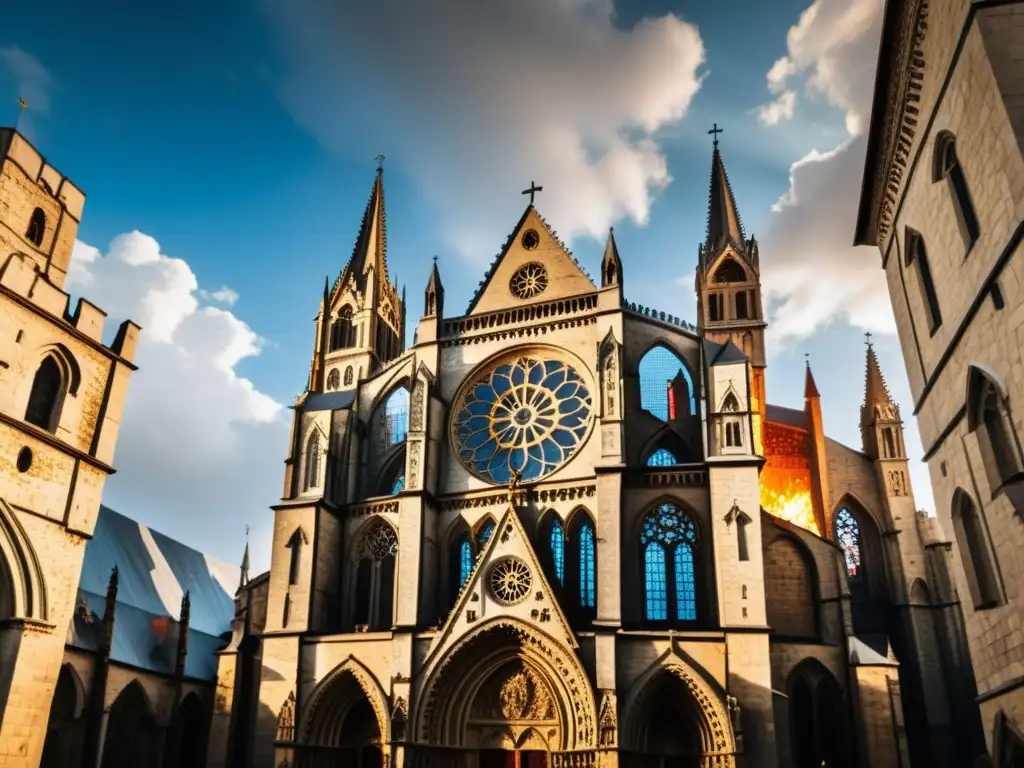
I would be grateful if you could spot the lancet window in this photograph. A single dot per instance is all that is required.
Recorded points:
(668, 540)
(47, 395)
(666, 387)
(375, 577)
(947, 166)
(569, 555)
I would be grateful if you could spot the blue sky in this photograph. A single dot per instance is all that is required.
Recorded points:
(240, 138)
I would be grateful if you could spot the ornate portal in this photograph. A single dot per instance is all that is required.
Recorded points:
(514, 709)
(527, 414)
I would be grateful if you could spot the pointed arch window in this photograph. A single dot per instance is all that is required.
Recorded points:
(849, 539)
(662, 458)
(396, 417)
(668, 540)
(988, 416)
(463, 549)
(342, 331)
(975, 553)
(36, 228)
(730, 272)
(666, 387)
(375, 577)
(568, 554)
(399, 485)
(557, 547)
(45, 399)
(946, 165)
(917, 260)
(484, 532)
(588, 566)
(313, 455)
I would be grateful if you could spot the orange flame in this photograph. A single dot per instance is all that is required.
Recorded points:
(792, 505)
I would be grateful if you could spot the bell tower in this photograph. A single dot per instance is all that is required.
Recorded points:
(729, 306)
(361, 321)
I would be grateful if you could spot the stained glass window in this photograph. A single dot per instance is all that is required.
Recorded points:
(654, 576)
(662, 458)
(485, 532)
(658, 368)
(588, 560)
(668, 539)
(396, 416)
(465, 560)
(848, 536)
(528, 415)
(686, 594)
(399, 485)
(558, 551)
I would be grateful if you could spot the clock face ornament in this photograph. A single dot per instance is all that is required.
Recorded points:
(526, 414)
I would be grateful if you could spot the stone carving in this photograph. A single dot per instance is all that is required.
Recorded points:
(611, 384)
(412, 482)
(286, 719)
(416, 412)
(546, 495)
(380, 540)
(607, 725)
(399, 718)
(510, 581)
(517, 333)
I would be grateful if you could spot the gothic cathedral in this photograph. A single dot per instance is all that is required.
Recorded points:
(563, 530)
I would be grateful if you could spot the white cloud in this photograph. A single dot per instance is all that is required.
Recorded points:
(813, 274)
(224, 295)
(779, 109)
(481, 98)
(200, 450)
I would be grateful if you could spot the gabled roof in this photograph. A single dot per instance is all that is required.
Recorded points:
(722, 354)
(566, 276)
(787, 417)
(154, 573)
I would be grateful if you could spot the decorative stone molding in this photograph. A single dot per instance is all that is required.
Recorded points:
(673, 478)
(519, 315)
(320, 700)
(519, 333)
(542, 495)
(372, 508)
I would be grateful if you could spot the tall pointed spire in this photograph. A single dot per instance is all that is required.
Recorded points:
(243, 578)
(433, 303)
(371, 245)
(611, 265)
(810, 387)
(876, 392)
(724, 223)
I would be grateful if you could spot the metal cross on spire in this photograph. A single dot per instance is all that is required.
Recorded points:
(534, 189)
(715, 131)
(380, 160)
(435, 258)
(867, 338)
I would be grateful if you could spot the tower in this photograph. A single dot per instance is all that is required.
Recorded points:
(361, 321)
(61, 396)
(729, 306)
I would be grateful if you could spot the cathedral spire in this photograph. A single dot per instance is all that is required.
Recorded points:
(876, 393)
(433, 303)
(724, 223)
(810, 387)
(370, 250)
(244, 575)
(611, 265)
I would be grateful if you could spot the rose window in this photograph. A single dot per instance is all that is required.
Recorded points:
(528, 281)
(510, 581)
(525, 415)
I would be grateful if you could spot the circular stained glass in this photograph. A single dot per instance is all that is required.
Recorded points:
(526, 414)
(528, 281)
(510, 581)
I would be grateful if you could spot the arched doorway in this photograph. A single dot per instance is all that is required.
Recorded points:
(343, 729)
(674, 719)
(132, 736)
(818, 718)
(65, 731)
(509, 693)
(191, 734)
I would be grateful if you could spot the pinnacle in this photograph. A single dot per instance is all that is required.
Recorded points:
(876, 392)
(724, 223)
(810, 387)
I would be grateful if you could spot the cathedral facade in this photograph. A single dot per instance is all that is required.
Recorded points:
(943, 201)
(559, 529)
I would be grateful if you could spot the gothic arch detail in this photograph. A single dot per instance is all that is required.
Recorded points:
(716, 729)
(442, 706)
(28, 586)
(310, 727)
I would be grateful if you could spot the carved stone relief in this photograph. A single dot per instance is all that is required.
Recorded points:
(607, 724)
(412, 480)
(286, 719)
(419, 396)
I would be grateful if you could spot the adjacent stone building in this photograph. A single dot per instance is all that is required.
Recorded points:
(563, 530)
(61, 396)
(943, 200)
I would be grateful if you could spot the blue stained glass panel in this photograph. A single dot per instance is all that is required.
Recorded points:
(399, 485)
(485, 532)
(848, 536)
(465, 560)
(662, 458)
(686, 594)
(558, 551)
(654, 579)
(587, 566)
(396, 416)
(657, 368)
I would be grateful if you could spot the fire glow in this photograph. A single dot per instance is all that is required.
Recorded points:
(792, 504)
